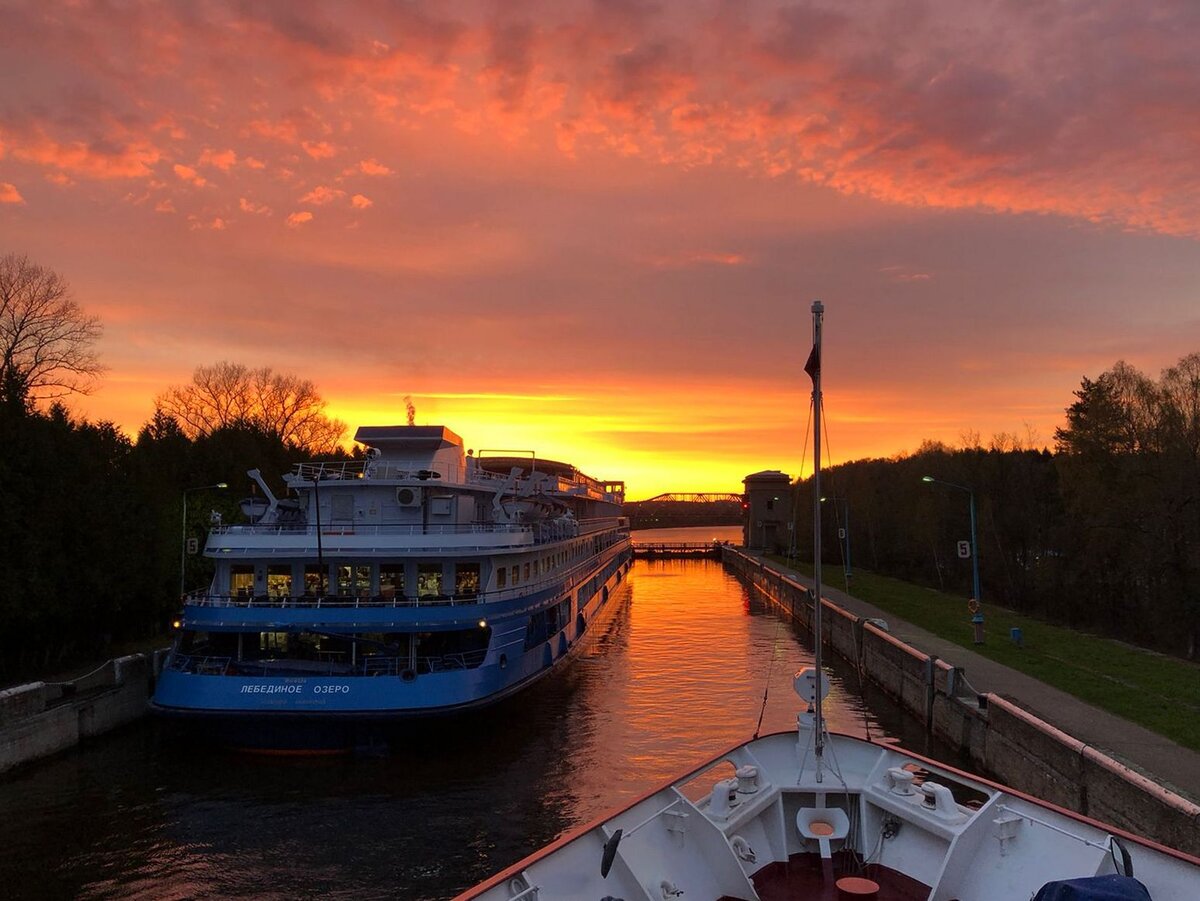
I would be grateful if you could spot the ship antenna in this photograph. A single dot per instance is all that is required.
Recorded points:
(813, 368)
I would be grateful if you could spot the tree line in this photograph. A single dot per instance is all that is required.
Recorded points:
(1103, 533)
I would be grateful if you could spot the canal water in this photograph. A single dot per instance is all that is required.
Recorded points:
(678, 674)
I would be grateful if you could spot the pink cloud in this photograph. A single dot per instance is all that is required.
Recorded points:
(319, 150)
(10, 194)
(359, 202)
(371, 167)
(97, 160)
(1015, 108)
(164, 206)
(215, 224)
(249, 206)
(295, 220)
(219, 159)
(321, 195)
(188, 174)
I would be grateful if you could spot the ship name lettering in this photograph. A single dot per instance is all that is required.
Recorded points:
(331, 689)
(270, 689)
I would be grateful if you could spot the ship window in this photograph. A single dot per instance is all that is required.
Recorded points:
(391, 580)
(241, 580)
(314, 580)
(273, 641)
(466, 580)
(501, 577)
(354, 580)
(526, 572)
(516, 575)
(429, 579)
(279, 581)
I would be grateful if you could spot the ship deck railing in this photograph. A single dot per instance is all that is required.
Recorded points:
(542, 532)
(446, 474)
(565, 580)
(332, 664)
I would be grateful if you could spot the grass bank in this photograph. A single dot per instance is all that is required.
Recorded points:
(1156, 691)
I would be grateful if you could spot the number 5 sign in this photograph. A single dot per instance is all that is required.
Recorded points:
(964, 550)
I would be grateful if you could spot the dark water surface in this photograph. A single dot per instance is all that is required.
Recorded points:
(677, 675)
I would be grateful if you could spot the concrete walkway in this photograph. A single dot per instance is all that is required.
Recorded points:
(1171, 765)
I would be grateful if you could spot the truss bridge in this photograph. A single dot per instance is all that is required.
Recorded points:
(685, 508)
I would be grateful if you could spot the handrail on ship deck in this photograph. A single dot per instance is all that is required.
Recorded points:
(569, 580)
(446, 475)
(542, 532)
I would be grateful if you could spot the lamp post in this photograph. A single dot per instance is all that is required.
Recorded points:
(977, 612)
(846, 526)
(183, 541)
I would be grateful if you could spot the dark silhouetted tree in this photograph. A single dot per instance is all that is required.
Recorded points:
(45, 337)
(230, 394)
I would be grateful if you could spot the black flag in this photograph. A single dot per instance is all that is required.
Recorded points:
(813, 366)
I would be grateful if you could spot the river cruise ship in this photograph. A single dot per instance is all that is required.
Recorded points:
(418, 580)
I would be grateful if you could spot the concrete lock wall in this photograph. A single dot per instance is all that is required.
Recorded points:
(40, 719)
(1000, 738)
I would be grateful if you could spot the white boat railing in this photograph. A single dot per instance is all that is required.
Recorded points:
(542, 532)
(564, 581)
(371, 529)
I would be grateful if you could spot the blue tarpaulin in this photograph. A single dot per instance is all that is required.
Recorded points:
(1094, 888)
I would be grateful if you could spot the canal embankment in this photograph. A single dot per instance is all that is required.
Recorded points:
(39, 719)
(1027, 734)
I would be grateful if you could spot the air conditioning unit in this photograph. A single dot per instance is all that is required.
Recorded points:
(408, 497)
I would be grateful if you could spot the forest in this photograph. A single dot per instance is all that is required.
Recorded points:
(1101, 534)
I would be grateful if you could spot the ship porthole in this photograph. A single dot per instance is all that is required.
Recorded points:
(407, 675)
(503, 661)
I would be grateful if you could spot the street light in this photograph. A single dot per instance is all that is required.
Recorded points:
(977, 613)
(846, 527)
(183, 542)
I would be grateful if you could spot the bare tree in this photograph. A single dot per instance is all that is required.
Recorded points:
(228, 394)
(45, 337)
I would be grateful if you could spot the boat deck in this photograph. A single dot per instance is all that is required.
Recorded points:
(801, 878)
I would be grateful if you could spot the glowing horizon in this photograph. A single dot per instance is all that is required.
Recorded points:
(595, 228)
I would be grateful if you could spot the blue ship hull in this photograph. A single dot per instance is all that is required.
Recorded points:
(332, 712)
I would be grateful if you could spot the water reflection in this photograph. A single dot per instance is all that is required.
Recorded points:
(677, 674)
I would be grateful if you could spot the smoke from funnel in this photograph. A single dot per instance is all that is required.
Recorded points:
(411, 410)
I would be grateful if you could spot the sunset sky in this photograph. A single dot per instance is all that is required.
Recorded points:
(595, 229)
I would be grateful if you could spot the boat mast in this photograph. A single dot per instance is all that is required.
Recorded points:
(813, 368)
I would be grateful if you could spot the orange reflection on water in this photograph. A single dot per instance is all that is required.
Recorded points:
(685, 672)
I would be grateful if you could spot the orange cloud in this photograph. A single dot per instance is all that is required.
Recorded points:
(359, 202)
(321, 195)
(371, 167)
(99, 160)
(219, 159)
(249, 206)
(10, 194)
(188, 174)
(319, 150)
(295, 220)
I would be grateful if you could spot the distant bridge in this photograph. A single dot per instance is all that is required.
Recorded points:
(683, 497)
(685, 508)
